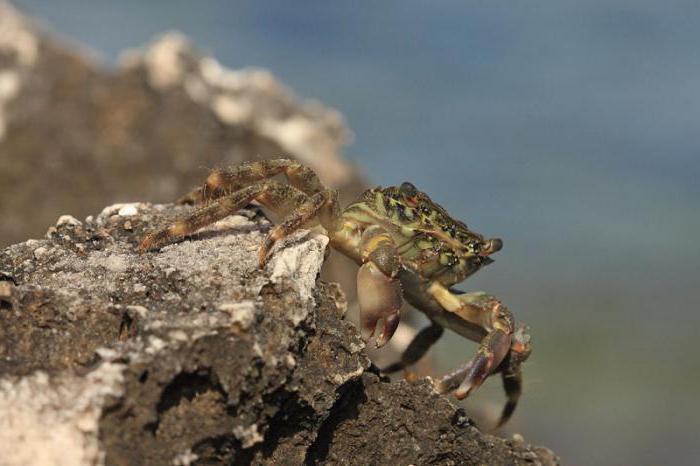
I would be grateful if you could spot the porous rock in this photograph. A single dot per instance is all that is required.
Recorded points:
(194, 355)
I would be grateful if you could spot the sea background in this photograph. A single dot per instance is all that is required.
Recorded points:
(568, 128)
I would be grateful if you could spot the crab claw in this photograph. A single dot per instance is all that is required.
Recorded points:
(379, 297)
(391, 323)
(492, 351)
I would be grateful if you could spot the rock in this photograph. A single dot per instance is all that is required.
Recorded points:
(193, 355)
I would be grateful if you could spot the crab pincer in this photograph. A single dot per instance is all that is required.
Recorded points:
(380, 298)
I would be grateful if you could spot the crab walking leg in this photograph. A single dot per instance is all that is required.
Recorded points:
(511, 373)
(270, 193)
(222, 181)
(300, 217)
(191, 198)
(378, 288)
(415, 350)
(513, 386)
(487, 312)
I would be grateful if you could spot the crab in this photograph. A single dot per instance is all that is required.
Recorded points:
(408, 248)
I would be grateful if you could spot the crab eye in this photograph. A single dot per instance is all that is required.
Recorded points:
(407, 189)
(409, 193)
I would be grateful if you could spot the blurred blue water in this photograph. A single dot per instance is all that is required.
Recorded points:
(568, 128)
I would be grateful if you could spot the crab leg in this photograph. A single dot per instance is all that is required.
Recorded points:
(203, 217)
(513, 385)
(297, 219)
(270, 193)
(420, 345)
(511, 373)
(378, 288)
(221, 182)
(491, 352)
(488, 313)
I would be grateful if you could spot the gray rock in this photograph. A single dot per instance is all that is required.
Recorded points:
(193, 355)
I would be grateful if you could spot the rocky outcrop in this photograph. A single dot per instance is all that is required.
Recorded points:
(194, 355)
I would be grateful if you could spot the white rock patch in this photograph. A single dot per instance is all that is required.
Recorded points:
(299, 261)
(55, 422)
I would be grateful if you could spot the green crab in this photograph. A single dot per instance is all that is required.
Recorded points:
(407, 247)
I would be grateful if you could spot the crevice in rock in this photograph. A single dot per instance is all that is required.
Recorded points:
(6, 277)
(216, 450)
(294, 416)
(346, 407)
(7, 284)
(185, 386)
(5, 305)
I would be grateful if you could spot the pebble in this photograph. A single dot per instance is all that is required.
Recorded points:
(116, 263)
(177, 335)
(107, 354)
(128, 210)
(140, 310)
(139, 288)
(68, 220)
(242, 313)
(40, 252)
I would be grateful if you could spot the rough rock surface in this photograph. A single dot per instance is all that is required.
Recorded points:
(193, 355)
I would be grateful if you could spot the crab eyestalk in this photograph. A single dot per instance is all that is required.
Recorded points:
(491, 246)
